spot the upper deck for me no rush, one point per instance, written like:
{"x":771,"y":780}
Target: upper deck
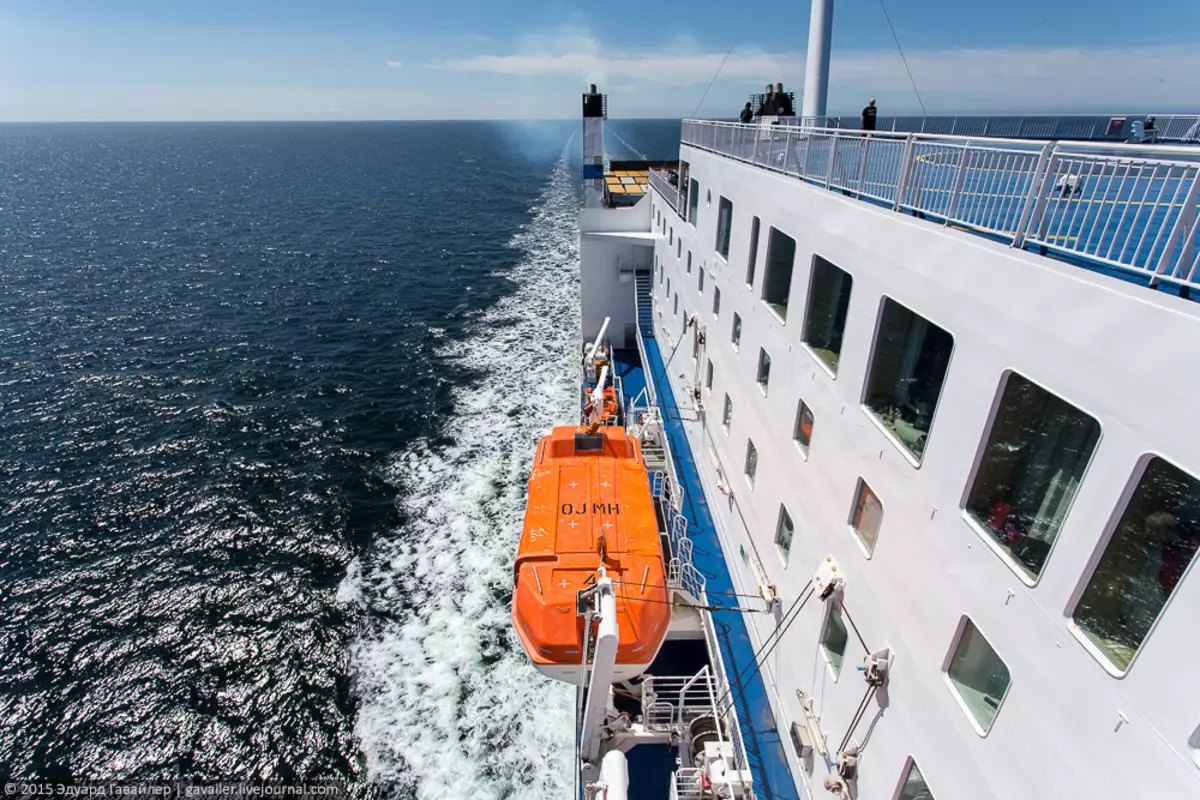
{"x":1128,"y":210}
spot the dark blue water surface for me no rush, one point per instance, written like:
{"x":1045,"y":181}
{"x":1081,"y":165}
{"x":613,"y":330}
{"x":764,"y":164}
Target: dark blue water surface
{"x":214,"y":340}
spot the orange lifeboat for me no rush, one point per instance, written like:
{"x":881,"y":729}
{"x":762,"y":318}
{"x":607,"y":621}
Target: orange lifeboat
{"x":589,"y":507}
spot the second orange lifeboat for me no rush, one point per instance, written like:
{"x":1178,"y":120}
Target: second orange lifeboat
{"x":589,"y":507}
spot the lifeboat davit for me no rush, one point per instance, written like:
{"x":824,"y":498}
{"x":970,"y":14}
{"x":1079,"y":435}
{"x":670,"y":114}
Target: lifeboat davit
{"x":589,"y":507}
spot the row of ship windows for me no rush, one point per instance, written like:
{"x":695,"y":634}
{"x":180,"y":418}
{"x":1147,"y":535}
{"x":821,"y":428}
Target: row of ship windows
{"x":1036,"y":452}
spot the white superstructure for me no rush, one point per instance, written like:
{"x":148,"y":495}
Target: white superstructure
{"x":996,"y":422}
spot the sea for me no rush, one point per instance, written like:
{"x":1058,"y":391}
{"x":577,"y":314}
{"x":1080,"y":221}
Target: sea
{"x":268,"y":395}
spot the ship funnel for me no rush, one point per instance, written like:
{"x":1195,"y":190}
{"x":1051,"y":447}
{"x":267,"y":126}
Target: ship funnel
{"x":816,"y":66}
{"x":595,"y":111}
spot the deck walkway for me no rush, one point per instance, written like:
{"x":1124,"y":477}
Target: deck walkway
{"x":773,"y":778}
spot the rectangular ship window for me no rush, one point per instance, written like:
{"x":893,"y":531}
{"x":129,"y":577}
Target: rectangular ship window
{"x":675,"y":307}
{"x":978,"y":677}
{"x":764,"y":369}
{"x":802,"y":433}
{"x":701,"y":279}
{"x":716,"y":301}
{"x":833,"y":640}
{"x":907,"y":373}
{"x":913,"y":785}
{"x":724,"y":227}
{"x":708,"y":376}
{"x":751,"y":462}
{"x":752,"y":258}
{"x":671,"y":237}
{"x":689,"y":262}
{"x":693,"y":200}
{"x":728,"y":416}
{"x":867,"y":517}
{"x":784,"y":531}
{"x":1145,"y":558}
{"x":737,"y":330}
{"x":828,"y":305}
{"x":1037,"y":451}
{"x":777,"y":278}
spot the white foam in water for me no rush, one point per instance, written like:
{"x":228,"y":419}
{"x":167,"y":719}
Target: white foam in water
{"x":628,"y":146}
{"x":451,"y":707}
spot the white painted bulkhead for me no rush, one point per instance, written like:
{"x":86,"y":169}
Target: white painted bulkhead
{"x":616,"y":244}
{"x":1068,"y":727}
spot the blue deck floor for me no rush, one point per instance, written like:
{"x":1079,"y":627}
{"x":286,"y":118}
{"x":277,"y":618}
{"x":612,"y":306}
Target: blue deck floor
{"x":772,"y":776}
{"x":628,"y":367}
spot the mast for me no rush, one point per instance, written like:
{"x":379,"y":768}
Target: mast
{"x":816,"y":67}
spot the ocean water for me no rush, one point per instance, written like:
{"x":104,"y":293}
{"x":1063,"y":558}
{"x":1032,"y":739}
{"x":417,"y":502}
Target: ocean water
{"x":267,"y":398}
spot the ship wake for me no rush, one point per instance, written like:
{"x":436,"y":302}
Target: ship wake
{"x":450,"y":707}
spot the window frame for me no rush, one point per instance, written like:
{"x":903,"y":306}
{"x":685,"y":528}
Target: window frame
{"x":784,"y":554}
{"x":716,"y":306}
{"x":728,"y":230}
{"x":708,"y":376}
{"x":735,"y":336}
{"x":861,"y":485}
{"x":1110,"y":530}
{"x":833,"y":608}
{"x":727,"y":415}
{"x":864,"y":395}
{"x":762,"y":295}
{"x":749,"y":468}
{"x":955,"y":642}
{"x":752,"y":260}
{"x":764,"y":360}
{"x":909,"y":764}
{"x":977,"y":465}
{"x":812,"y":279}
{"x":800,"y":407}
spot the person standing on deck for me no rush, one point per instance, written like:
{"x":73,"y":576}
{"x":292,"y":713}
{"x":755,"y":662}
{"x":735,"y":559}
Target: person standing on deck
{"x":868,"y":116}
{"x":747,"y":114}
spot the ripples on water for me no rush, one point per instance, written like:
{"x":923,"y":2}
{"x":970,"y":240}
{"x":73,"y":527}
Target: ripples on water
{"x":216,"y":343}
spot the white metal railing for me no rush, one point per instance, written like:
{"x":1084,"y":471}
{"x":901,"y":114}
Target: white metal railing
{"x":670,"y":193}
{"x":670,"y":701}
{"x":688,"y":784}
{"x":1177,"y":127}
{"x":725,"y":700}
{"x":1130,"y":207}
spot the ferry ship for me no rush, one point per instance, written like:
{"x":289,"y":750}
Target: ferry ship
{"x":884,"y":484}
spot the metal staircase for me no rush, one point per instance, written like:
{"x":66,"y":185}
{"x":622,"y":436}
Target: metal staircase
{"x":644,"y":283}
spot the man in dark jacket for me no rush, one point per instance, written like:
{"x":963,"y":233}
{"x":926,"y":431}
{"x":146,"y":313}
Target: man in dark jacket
{"x":868,"y":116}
{"x":747,"y":114}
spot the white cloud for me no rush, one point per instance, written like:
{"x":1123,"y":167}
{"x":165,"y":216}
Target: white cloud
{"x":1061,"y":79}
{"x":395,"y":64}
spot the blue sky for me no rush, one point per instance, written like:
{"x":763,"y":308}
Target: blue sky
{"x":385,"y":59}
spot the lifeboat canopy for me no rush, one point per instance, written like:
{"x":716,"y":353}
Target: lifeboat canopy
{"x":589,"y":508}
